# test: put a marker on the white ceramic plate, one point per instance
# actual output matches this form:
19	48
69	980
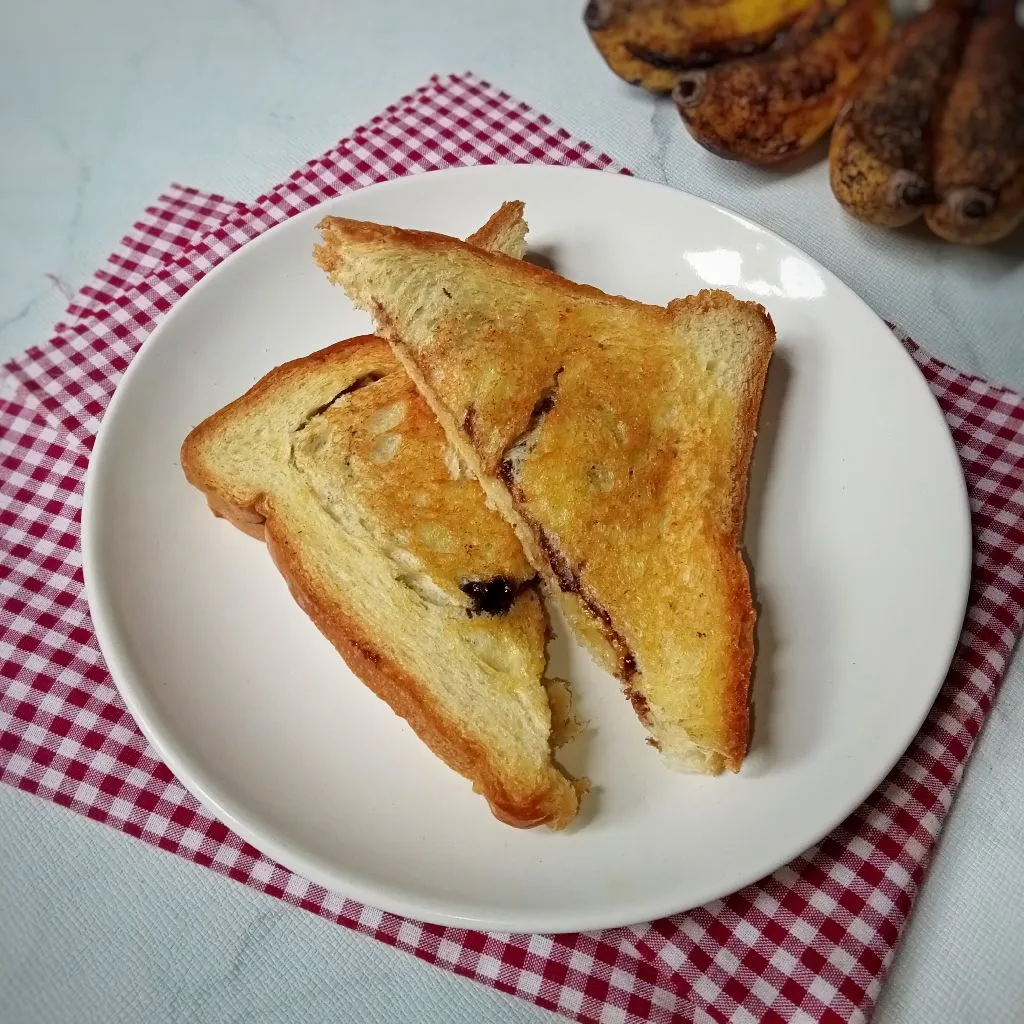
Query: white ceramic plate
858	531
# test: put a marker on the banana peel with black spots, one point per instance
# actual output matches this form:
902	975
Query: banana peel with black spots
774	106
882	146
979	151
650	42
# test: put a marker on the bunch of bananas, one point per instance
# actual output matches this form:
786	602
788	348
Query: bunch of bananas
929	119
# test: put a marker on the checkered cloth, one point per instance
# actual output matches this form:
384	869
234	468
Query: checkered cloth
810	942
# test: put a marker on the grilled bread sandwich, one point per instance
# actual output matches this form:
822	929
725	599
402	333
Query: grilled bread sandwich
385	540
615	437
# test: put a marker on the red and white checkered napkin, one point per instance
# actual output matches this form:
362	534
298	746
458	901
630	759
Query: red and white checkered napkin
811	942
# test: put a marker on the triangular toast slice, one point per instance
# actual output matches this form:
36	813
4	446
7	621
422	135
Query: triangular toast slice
387	543
615	436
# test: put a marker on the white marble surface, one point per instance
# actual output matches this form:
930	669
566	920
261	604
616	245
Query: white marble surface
107	102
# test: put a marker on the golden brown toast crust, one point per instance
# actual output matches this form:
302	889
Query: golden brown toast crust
615	436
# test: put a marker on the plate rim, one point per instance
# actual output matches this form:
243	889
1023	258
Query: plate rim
406	902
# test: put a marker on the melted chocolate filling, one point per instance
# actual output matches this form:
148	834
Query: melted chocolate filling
494	596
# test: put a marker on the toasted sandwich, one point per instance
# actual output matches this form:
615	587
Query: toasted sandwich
615	437
386	542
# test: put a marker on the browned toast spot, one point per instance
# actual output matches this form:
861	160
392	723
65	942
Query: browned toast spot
357	385
565	573
521	447
469	422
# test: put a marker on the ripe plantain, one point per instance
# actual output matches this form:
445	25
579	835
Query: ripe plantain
649	42
979	152
775	105
880	156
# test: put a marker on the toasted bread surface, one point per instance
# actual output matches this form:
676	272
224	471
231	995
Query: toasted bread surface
385	540
615	436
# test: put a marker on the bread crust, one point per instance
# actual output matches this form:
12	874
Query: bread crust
736	691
